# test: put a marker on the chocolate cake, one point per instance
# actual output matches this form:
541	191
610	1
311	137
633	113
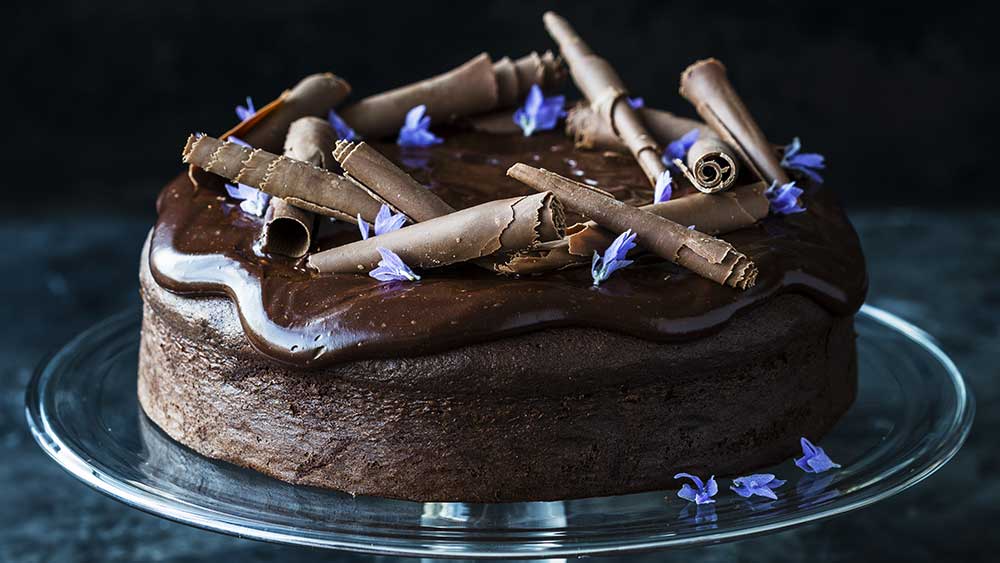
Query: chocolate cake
500	358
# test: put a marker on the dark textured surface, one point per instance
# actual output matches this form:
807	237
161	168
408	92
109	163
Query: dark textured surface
935	269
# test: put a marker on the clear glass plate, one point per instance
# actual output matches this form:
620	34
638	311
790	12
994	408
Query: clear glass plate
911	416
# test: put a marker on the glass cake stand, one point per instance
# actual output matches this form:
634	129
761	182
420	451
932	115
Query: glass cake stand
911	416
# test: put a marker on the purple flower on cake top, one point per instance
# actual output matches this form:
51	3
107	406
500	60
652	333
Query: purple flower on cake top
341	129
784	199
760	484
601	267
252	200
664	189
678	149
805	162
385	222
247	111
416	129
392	268
701	493
539	113
636	103
814	459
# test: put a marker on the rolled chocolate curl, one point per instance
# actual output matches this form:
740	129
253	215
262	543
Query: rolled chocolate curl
515	78
736	209
589	131
704	255
705	85
494	230
607	95
298	183
712	165
387	183
288	229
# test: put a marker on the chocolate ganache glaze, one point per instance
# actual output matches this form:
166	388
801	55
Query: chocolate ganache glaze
204	244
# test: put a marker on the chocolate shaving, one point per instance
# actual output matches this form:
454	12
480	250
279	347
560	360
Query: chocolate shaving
288	229
705	85
387	183
298	183
712	165
607	95
704	255
494	230
589	131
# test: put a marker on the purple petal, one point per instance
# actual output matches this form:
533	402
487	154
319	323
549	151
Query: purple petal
414	117
238	141
741	490
534	100
808	449
793	148
712	487
679	148
341	129
392	268
414	132
246	112
234	191
386	221
636	103
363	227
664	189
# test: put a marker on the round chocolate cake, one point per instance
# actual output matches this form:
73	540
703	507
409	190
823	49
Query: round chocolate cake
512	369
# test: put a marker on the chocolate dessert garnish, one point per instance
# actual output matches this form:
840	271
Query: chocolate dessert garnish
604	89
706	256
298	183
495	229
712	165
288	229
387	183
589	131
705	85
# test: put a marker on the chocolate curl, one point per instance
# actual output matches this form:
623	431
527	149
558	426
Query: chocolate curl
515	78
712	165
706	256
606	93
589	131
722	213
298	183
705	85
466	90
288	229
495	229
387	183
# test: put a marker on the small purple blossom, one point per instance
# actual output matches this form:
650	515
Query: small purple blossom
805	162
341	129
253	201
416	129
678	149
247	111
385	222
760	484
814	459
539	113
784	199
601	267
664	189
701	493
392	268
636	102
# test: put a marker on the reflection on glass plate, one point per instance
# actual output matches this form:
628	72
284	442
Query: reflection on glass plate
912	414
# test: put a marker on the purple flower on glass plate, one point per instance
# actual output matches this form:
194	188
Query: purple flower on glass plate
678	149
601	267
760	484
392	268
247	111
341	129
385	222
252	200
805	162
814	459
701	493
416	129
664	189
636	103
784	199
538	112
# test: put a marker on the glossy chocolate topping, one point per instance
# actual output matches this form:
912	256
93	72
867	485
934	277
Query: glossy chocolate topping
203	244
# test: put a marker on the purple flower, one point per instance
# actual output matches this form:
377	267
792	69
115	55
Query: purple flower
760	484
614	257
415	131
814	459
392	268
341	129
805	162
701	493
538	112
784	199
385	222
247	111
253	201
664	187
679	148
636	103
